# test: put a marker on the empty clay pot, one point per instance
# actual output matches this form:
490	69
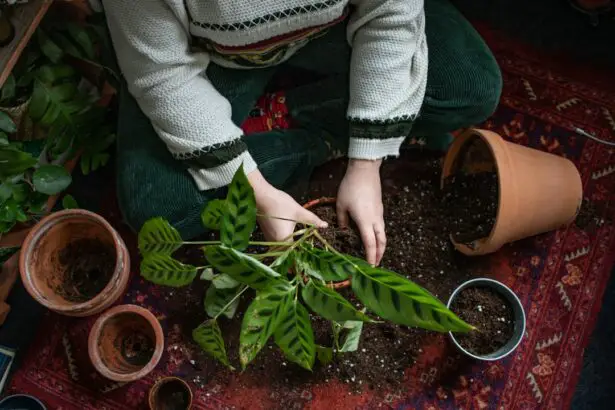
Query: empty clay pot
126	343
538	191
170	393
46	276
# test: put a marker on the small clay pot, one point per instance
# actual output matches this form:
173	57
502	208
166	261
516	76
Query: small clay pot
165	387
43	274
21	402
518	312
126	343
326	202
538	191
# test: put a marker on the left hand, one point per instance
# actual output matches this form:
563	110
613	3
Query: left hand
360	196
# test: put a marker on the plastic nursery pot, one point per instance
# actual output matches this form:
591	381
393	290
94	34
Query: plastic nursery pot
170	393
125	343
45	276
518	312
22	402
327	202
538	191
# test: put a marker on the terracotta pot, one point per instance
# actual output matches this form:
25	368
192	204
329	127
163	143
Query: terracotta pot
43	274
126	343
324	202
538	191
174	385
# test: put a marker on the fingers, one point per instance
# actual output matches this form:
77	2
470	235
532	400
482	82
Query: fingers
368	237
342	216
381	241
309	218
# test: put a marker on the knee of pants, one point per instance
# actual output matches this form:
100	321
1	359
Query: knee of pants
483	96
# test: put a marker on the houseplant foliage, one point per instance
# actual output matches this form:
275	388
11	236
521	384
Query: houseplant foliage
290	279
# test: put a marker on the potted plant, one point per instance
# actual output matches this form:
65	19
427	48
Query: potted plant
170	393
289	278
126	343
496	311
74	263
499	192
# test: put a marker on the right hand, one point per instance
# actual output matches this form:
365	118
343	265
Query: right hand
273	202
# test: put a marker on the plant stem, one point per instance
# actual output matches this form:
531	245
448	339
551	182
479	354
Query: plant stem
245	287
251	243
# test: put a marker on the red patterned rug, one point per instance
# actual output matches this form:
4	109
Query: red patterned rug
560	277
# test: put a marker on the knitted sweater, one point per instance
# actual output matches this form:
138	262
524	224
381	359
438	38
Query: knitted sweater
165	46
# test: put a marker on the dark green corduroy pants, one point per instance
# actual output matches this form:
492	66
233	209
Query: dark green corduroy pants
463	88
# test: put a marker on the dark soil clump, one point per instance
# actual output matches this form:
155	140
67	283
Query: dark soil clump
173	396
88	267
137	348
490	313
471	201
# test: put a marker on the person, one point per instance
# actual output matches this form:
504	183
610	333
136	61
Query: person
385	70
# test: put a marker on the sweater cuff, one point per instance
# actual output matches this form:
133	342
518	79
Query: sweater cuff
377	139
217	177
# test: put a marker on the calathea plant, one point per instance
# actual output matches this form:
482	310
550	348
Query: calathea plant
289	279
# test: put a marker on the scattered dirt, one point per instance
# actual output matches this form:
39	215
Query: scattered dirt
490	313
173	396
590	217
88	267
472	205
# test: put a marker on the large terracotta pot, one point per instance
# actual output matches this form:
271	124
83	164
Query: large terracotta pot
44	275
538	191
126	343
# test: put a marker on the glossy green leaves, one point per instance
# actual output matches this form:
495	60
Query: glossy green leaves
323	265
51	179
330	304
212	214
218	299
240	267
209	338
294	335
164	270
158	236
239	218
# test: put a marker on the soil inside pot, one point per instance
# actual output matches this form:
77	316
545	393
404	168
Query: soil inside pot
492	315
172	395
88	266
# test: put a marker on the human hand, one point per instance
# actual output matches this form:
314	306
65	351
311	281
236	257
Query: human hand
272	202
360	196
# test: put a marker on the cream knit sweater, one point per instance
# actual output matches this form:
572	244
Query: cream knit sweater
156	43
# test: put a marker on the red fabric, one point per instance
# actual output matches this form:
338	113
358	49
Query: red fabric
560	277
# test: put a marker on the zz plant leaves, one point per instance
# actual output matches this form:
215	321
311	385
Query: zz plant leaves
208	336
212	214
323	265
295	336
239	218
217	299
395	298
330	304
164	270
159	237
51	179
240	267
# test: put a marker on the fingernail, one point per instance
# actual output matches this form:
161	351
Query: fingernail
324	225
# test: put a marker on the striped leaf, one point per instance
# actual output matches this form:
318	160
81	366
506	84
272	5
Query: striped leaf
224	281
239	218
261	319
158	236
294	335
209	338
324	354
212	214
217	299
164	270
322	264
329	304
284	263
240	267
401	301
353	336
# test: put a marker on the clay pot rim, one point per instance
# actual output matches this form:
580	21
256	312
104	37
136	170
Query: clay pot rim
13	396
34	236
517	306
154	389
94	353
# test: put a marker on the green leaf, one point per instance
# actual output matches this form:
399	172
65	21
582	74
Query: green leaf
324	354
14	162
8	89
50	74
224	281
212	214
261	319
69	202
240	267
6	227
284	263
322	264
209	337
329	304
81	37
51	179
217	299
6	123
20	192
8	211
4	139
6	191
208	274
158	236
39	101
353	336
50	49
401	301
294	335
239	217
6	253
164	270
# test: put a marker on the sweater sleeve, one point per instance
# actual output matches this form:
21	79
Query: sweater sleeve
388	74
151	39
